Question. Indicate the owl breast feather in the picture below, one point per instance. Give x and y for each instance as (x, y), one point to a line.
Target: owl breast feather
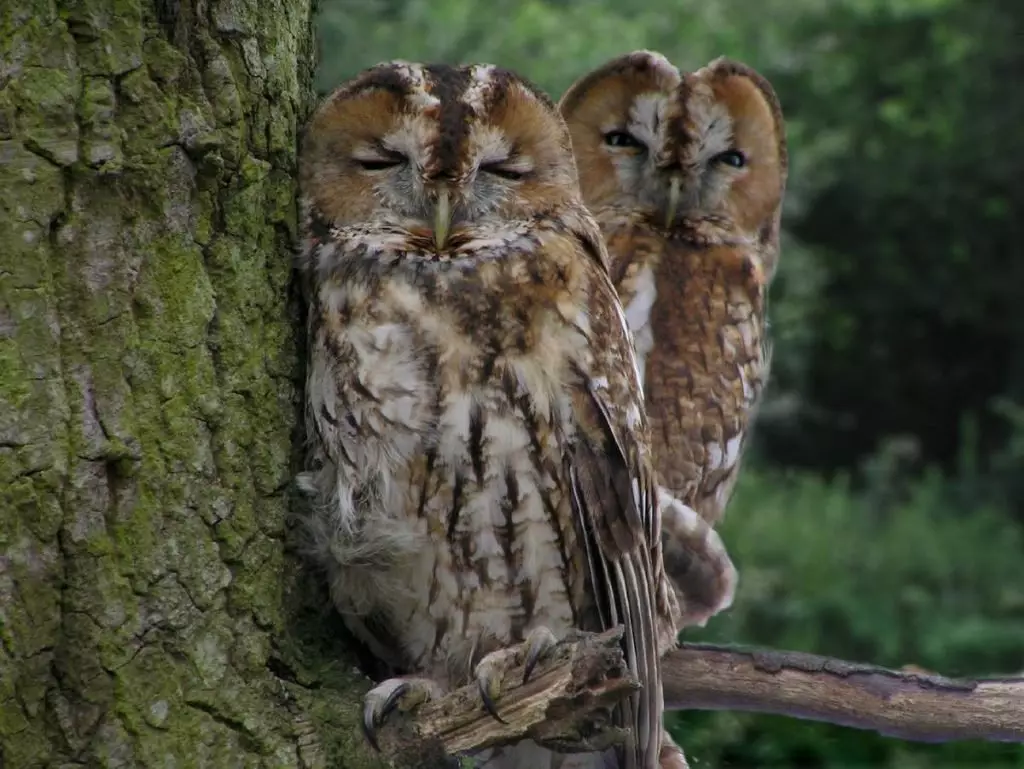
(440, 405)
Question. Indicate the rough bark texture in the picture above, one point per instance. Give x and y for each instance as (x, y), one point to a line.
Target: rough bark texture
(151, 611)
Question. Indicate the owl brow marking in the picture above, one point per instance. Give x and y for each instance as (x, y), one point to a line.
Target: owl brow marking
(418, 94)
(447, 84)
(481, 84)
(643, 118)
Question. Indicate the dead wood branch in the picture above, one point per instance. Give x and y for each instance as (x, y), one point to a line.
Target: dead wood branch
(910, 706)
(566, 705)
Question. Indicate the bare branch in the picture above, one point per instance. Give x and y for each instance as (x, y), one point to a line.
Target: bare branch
(566, 705)
(910, 706)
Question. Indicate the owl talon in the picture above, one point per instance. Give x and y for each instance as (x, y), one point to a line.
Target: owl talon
(490, 672)
(539, 643)
(405, 694)
(488, 699)
(375, 712)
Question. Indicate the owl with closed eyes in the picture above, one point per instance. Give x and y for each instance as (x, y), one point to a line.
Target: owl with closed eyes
(685, 174)
(479, 453)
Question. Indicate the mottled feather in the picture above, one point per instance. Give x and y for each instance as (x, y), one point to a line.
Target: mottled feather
(685, 174)
(479, 450)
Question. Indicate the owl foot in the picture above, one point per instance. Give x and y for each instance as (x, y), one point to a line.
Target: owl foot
(491, 670)
(405, 694)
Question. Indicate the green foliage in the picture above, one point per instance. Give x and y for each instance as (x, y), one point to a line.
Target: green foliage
(916, 580)
(912, 217)
(552, 42)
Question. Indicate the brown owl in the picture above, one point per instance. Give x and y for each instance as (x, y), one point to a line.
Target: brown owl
(479, 448)
(685, 174)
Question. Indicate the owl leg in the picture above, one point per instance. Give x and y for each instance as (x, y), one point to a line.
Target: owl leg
(490, 671)
(405, 694)
(696, 562)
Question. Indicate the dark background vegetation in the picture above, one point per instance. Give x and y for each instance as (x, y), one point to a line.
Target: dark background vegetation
(881, 515)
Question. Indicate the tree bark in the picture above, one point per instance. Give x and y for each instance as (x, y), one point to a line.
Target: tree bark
(151, 610)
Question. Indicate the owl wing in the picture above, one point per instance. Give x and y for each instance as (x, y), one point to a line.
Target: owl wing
(615, 502)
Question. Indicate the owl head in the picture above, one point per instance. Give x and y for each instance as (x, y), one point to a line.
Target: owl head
(436, 152)
(673, 146)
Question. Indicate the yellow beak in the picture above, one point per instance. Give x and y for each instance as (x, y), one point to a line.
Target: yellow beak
(673, 200)
(442, 218)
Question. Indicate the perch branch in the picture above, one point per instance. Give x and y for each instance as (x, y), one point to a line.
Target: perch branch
(909, 706)
(566, 705)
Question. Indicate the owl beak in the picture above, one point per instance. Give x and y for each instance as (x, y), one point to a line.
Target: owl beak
(673, 200)
(442, 217)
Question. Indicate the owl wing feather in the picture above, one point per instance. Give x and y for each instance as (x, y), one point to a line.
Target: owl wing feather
(615, 501)
(607, 493)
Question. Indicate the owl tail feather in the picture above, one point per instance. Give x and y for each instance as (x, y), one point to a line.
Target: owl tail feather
(696, 562)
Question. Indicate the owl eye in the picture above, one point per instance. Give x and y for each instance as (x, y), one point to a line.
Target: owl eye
(504, 171)
(733, 158)
(379, 163)
(621, 139)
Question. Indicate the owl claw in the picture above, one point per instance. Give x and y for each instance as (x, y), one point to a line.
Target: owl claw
(490, 672)
(402, 693)
(486, 685)
(375, 711)
(539, 643)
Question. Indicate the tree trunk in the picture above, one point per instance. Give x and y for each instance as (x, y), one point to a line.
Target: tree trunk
(152, 612)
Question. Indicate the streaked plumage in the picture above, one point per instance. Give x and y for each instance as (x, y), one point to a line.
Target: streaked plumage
(479, 446)
(685, 174)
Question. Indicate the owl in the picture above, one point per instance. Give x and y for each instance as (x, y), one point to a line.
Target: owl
(685, 174)
(479, 453)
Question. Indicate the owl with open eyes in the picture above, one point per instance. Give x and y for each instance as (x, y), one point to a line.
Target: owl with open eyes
(479, 450)
(685, 174)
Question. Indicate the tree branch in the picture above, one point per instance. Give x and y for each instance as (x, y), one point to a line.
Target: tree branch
(566, 705)
(910, 706)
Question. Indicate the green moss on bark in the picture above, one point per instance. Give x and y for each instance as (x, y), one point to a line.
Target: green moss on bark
(150, 609)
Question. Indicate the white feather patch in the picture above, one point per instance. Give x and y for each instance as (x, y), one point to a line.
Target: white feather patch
(480, 83)
(631, 353)
(638, 317)
(732, 451)
(645, 117)
(418, 95)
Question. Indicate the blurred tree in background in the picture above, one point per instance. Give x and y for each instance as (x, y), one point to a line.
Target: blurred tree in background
(880, 517)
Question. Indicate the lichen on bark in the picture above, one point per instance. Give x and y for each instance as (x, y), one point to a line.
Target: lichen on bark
(151, 610)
